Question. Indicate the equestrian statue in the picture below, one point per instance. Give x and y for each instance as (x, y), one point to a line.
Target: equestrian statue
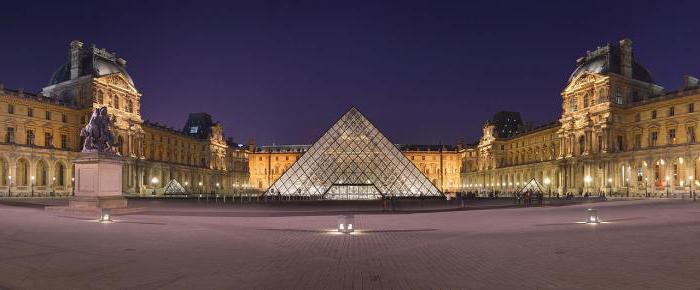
(98, 137)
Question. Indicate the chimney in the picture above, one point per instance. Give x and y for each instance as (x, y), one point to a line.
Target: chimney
(121, 61)
(251, 144)
(75, 47)
(626, 57)
(689, 82)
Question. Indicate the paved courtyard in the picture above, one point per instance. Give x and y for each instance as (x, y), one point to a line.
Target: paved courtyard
(644, 244)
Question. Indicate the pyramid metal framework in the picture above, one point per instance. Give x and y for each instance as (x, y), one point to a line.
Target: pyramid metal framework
(353, 160)
(174, 187)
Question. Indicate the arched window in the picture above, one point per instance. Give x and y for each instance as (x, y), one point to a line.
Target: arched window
(602, 96)
(129, 106)
(3, 171)
(60, 174)
(42, 173)
(572, 104)
(22, 172)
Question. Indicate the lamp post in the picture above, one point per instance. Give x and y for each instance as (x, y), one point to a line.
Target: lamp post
(32, 186)
(53, 182)
(610, 185)
(200, 187)
(668, 186)
(549, 188)
(627, 185)
(72, 186)
(186, 187)
(154, 181)
(646, 187)
(690, 183)
(9, 186)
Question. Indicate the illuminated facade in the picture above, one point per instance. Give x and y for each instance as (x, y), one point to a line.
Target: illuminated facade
(441, 164)
(352, 161)
(40, 134)
(619, 133)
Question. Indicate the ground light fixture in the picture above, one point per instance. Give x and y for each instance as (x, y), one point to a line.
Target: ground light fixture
(592, 216)
(105, 215)
(346, 224)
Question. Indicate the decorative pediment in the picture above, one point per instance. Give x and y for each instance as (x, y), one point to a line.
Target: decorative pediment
(117, 80)
(583, 80)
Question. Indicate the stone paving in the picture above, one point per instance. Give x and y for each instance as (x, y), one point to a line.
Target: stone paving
(651, 244)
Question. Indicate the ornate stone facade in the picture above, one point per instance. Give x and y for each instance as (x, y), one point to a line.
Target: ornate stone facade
(40, 135)
(619, 133)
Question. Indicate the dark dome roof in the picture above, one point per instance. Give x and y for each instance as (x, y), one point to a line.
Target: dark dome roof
(607, 60)
(91, 65)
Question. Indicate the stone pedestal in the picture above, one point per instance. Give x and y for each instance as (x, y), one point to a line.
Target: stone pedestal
(98, 185)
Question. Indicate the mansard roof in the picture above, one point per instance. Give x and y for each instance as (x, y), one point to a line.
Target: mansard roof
(95, 62)
(607, 59)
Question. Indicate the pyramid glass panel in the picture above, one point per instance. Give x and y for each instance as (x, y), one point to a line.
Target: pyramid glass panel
(353, 160)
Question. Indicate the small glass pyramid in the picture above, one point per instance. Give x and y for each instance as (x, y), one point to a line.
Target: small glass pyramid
(353, 161)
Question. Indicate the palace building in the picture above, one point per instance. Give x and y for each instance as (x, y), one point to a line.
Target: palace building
(619, 132)
(40, 134)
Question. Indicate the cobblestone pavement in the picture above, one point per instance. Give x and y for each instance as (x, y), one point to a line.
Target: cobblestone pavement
(644, 244)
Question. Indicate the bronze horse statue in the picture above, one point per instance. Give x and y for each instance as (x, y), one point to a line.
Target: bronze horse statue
(98, 137)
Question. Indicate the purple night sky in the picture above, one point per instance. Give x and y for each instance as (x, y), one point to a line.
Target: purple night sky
(283, 71)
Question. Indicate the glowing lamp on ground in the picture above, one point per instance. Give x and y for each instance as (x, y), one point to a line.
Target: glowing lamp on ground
(105, 215)
(546, 181)
(346, 224)
(592, 216)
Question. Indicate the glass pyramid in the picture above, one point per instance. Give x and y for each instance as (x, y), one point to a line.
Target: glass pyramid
(353, 160)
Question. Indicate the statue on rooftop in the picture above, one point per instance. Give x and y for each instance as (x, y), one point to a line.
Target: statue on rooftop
(98, 137)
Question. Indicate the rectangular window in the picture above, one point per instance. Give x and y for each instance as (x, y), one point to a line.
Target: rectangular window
(10, 109)
(637, 141)
(691, 107)
(10, 137)
(672, 111)
(64, 118)
(671, 136)
(30, 137)
(637, 117)
(620, 145)
(48, 139)
(653, 138)
(653, 114)
(30, 112)
(691, 134)
(618, 96)
(64, 141)
(48, 115)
